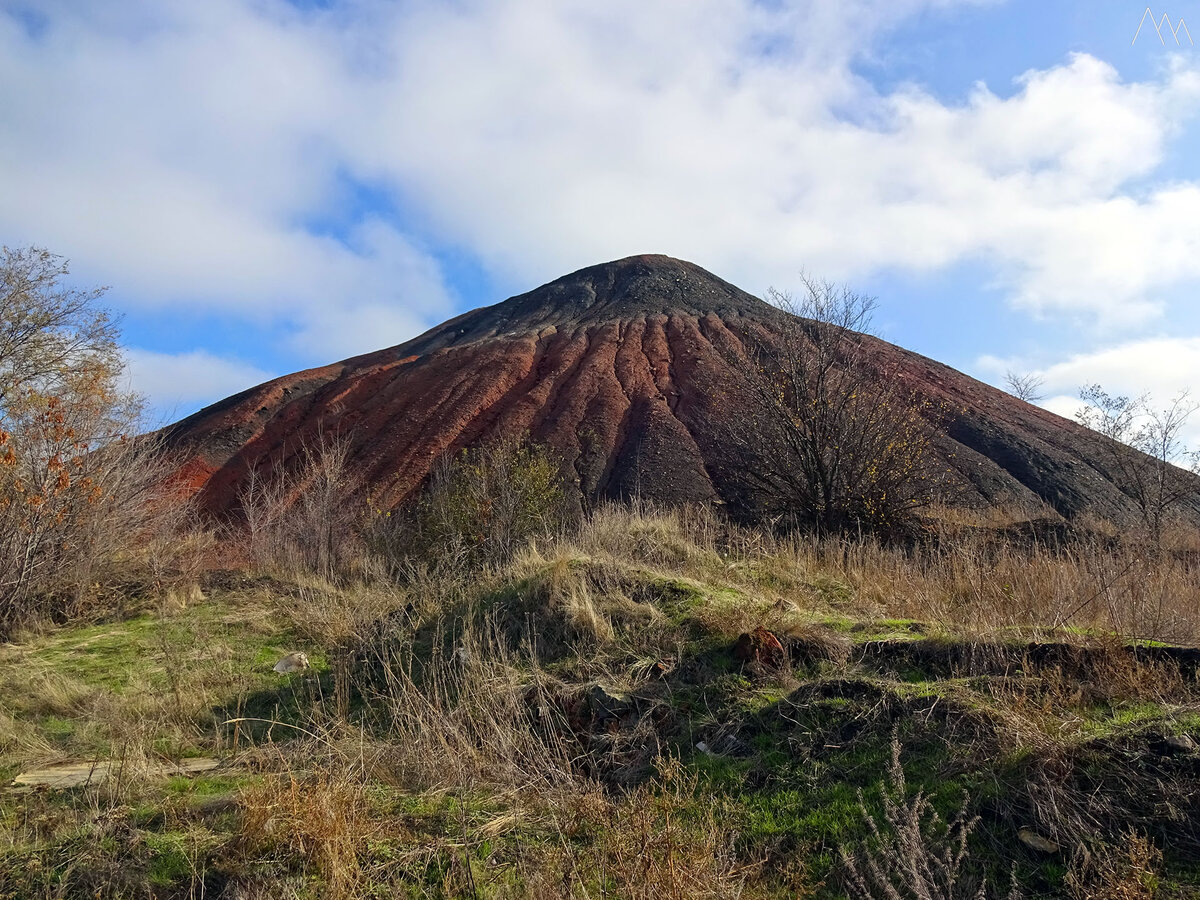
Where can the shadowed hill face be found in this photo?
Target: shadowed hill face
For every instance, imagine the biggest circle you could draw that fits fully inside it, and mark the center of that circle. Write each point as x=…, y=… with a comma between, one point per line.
x=620, y=368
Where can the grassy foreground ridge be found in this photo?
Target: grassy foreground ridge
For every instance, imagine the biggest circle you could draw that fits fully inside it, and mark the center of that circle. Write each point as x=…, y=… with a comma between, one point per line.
x=654, y=704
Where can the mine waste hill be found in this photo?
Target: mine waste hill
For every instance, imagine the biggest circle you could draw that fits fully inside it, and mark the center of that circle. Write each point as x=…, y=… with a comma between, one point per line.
x=644, y=701
x=619, y=367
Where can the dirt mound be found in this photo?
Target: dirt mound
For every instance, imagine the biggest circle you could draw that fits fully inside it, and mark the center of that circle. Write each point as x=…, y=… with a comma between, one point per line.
x=620, y=368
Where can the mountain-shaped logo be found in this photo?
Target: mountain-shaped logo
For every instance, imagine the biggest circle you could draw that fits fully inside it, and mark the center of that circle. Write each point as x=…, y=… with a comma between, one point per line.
x=1158, y=28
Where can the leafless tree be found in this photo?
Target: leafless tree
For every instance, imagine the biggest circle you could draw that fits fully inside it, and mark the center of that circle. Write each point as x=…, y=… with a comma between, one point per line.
x=1027, y=387
x=47, y=330
x=822, y=432
x=1149, y=460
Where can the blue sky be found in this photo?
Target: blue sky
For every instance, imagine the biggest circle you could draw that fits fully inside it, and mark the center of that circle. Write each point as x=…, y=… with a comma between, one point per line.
x=269, y=185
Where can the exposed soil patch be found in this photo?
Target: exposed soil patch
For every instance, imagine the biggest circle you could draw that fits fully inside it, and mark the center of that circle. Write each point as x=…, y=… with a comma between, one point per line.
x=955, y=659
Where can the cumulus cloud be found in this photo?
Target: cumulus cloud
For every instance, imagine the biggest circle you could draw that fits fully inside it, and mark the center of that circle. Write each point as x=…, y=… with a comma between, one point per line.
x=185, y=154
x=677, y=136
x=217, y=154
x=175, y=383
x=1161, y=368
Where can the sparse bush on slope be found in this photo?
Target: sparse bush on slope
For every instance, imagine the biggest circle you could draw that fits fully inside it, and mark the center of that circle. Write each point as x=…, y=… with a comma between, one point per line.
x=301, y=519
x=1146, y=455
x=822, y=438
x=478, y=509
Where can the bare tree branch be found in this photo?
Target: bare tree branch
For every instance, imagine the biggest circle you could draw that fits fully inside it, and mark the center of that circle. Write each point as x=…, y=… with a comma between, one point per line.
x=1027, y=387
x=825, y=434
x=1149, y=460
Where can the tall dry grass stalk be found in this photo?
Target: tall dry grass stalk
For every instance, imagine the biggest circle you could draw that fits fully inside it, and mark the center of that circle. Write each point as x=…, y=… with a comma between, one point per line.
x=319, y=814
x=476, y=716
x=915, y=853
x=976, y=582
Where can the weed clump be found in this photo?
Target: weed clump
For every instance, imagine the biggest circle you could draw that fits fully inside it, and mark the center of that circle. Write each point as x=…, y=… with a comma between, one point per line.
x=914, y=852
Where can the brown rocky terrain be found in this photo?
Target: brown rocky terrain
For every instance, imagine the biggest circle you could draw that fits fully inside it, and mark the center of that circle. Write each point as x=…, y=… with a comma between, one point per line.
x=620, y=368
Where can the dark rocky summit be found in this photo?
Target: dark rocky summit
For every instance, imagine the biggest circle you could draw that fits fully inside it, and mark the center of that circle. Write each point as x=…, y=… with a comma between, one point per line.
x=619, y=367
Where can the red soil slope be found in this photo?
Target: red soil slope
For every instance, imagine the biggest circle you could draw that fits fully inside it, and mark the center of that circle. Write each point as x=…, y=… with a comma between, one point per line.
x=618, y=367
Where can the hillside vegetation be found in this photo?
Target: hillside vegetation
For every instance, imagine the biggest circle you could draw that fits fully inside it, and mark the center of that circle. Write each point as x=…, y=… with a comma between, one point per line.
x=644, y=704
x=505, y=688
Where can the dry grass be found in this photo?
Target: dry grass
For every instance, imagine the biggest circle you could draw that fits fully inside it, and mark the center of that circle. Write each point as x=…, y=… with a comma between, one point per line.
x=982, y=585
x=656, y=841
x=455, y=738
x=1128, y=872
x=915, y=853
x=981, y=573
x=970, y=580
x=478, y=716
x=319, y=817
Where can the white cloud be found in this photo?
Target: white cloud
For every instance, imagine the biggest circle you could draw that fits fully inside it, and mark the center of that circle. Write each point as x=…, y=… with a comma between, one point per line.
x=1160, y=368
x=179, y=151
x=675, y=137
x=197, y=153
x=176, y=384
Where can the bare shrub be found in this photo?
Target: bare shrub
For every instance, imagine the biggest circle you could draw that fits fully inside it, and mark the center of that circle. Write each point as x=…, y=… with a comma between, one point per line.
x=78, y=493
x=1027, y=387
x=915, y=853
x=478, y=509
x=263, y=504
x=1146, y=452
x=827, y=437
x=301, y=519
